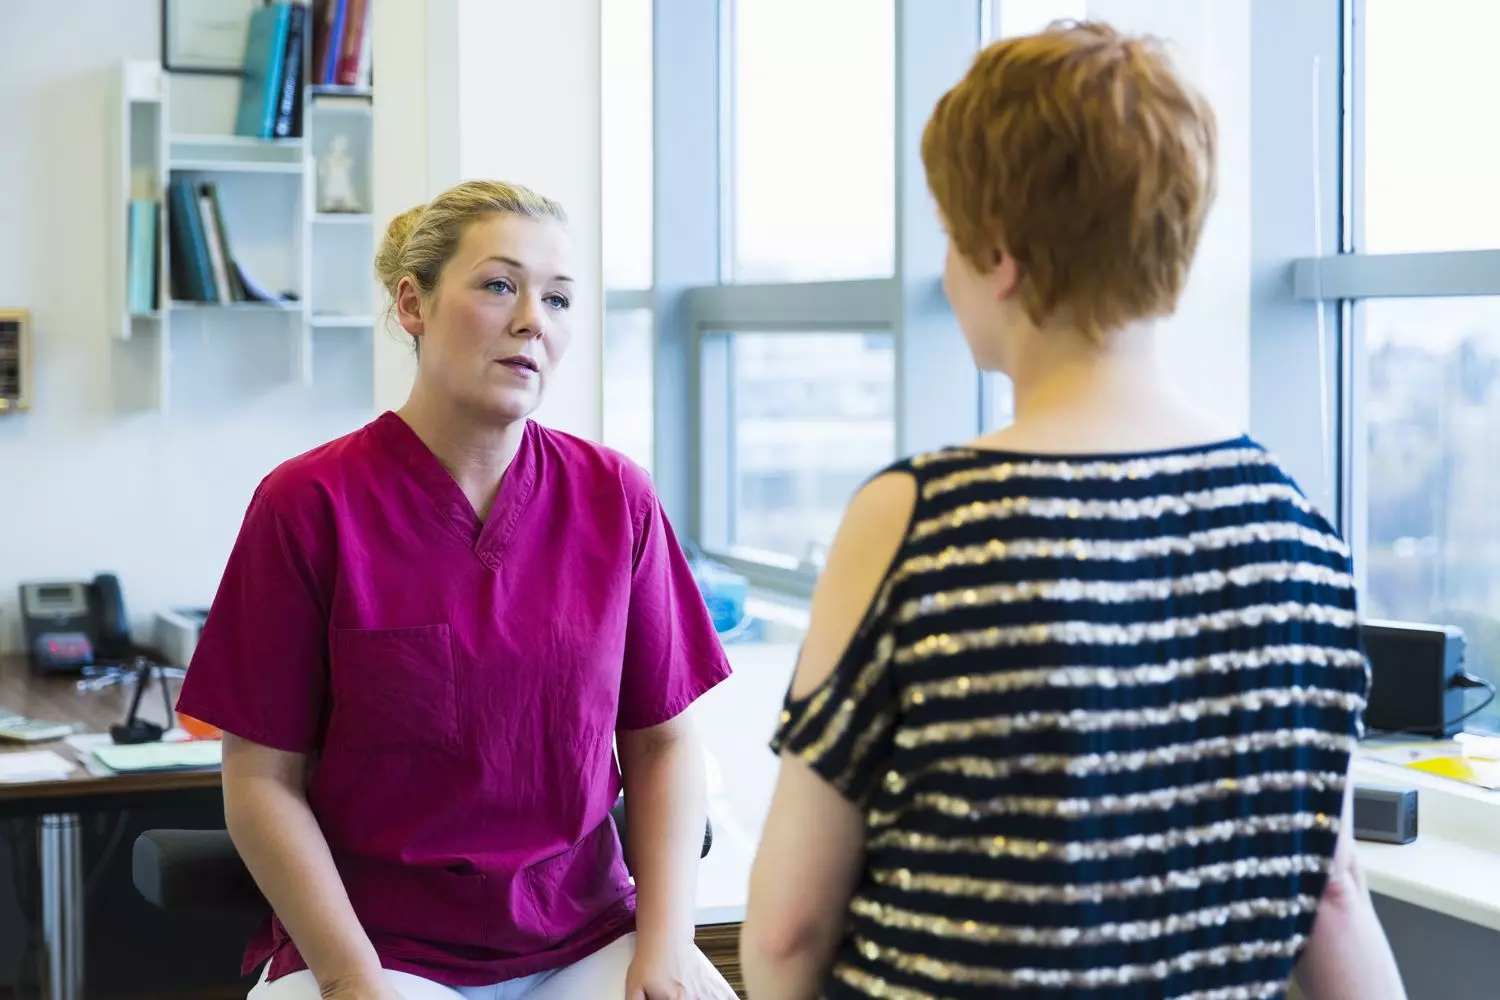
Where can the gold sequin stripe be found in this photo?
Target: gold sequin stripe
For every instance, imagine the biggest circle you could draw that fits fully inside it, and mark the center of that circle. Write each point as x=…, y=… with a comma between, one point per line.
x=881, y=989
x=1118, y=550
x=1156, y=800
x=1074, y=633
x=1121, y=591
x=1150, y=674
x=1073, y=851
x=1132, y=932
x=944, y=971
x=877, y=728
x=874, y=986
x=1097, y=471
x=1143, y=508
x=1115, y=761
x=1188, y=879
x=943, y=455
x=1086, y=721
x=1254, y=991
x=836, y=726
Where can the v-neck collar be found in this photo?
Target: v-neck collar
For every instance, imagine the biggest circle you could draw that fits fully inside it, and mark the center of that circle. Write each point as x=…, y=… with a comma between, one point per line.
x=486, y=538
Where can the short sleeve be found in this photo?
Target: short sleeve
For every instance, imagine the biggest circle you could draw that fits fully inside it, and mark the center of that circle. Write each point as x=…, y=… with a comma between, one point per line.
x=843, y=729
x=260, y=670
x=672, y=652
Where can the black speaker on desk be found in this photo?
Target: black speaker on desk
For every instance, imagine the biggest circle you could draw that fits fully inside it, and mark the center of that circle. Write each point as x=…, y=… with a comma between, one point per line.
x=1416, y=673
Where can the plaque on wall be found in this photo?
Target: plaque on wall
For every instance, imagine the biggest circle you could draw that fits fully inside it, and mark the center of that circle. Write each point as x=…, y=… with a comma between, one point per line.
x=15, y=361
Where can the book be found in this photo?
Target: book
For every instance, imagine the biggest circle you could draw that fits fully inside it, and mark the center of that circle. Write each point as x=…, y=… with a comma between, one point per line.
x=141, y=269
x=265, y=53
x=195, y=283
x=210, y=190
x=288, y=121
x=218, y=256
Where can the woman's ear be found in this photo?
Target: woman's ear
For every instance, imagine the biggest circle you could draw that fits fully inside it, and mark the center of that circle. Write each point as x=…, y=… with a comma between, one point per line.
x=1005, y=276
x=410, y=306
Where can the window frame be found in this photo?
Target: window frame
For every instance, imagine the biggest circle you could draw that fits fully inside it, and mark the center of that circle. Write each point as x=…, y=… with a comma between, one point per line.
x=1341, y=280
x=694, y=200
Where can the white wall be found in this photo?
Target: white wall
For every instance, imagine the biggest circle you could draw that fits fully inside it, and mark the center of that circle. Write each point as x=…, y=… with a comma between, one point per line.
x=85, y=488
x=487, y=63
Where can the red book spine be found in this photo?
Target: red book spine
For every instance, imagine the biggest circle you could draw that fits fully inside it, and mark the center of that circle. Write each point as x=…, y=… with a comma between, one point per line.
x=355, y=26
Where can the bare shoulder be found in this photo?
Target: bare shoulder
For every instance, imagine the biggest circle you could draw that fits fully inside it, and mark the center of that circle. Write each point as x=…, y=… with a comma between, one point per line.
x=868, y=540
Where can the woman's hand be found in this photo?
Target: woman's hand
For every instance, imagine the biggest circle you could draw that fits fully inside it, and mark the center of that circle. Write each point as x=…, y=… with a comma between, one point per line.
x=684, y=973
x=374, y=987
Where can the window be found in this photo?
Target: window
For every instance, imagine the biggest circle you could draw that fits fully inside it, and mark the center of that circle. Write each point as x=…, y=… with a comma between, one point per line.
x=810, y=417
x=1432, y=413
x=1428, y=162
x=629, y=353
x=1024, y=17
x=626, y=132
x=813, y=177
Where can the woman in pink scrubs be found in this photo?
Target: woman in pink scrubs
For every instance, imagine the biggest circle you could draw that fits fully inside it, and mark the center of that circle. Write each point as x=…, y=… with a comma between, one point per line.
x=429, y=637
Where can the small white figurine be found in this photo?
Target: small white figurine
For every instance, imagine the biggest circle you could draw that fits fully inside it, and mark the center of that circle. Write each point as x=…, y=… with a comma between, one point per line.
x=336, y=180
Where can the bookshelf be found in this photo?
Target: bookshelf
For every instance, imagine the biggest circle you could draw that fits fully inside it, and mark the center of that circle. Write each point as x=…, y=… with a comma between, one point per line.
x=313, y=265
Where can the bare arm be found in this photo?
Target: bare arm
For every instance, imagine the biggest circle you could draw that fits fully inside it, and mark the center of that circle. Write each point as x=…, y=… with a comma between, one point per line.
x=666, y=801
x=812, y=850
x=275, y=832
x=1348, y=957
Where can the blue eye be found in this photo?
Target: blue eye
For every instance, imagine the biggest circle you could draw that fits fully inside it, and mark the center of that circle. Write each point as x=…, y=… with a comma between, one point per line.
x=557, y=301
x=500, y=285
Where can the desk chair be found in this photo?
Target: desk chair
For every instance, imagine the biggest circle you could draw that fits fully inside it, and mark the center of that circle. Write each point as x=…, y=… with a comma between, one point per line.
x=183, y=870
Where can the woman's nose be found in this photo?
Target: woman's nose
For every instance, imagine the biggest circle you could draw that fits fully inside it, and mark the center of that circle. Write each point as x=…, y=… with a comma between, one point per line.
x=527, y=320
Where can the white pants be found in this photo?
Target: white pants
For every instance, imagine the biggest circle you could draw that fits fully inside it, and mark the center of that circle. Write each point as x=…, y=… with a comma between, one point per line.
x=601, y=976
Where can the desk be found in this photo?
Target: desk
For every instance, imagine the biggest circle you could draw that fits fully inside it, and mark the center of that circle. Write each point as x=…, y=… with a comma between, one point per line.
x=56, y=804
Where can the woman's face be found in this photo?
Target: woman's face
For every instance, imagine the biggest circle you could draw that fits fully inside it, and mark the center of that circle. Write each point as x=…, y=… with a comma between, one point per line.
x=499, y=321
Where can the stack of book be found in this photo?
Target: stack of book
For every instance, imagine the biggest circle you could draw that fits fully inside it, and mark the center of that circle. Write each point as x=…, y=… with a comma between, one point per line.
x=203, y=265
x=276, y=60
x=341, y=43
x=270, y=97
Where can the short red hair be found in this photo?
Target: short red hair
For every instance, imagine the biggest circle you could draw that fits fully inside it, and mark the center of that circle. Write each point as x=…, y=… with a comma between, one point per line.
x=1082, y=153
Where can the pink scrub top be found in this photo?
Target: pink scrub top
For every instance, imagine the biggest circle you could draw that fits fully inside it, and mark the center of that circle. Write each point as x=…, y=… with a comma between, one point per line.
x=457, y=684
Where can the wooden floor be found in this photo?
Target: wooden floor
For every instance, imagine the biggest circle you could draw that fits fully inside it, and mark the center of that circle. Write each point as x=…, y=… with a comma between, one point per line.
x=721, y=943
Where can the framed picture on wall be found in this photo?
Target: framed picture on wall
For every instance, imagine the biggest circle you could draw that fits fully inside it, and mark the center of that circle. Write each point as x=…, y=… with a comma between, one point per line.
x=205, y=36
x=15, y=361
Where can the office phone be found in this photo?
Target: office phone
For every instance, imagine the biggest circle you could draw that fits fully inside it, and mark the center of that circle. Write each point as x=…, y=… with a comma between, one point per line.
x=70, y=625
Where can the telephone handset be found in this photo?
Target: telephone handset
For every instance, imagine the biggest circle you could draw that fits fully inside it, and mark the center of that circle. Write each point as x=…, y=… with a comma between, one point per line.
x=72, y=624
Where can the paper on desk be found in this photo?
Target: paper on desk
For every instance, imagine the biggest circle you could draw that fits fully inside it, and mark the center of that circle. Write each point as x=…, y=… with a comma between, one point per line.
x=1472, y=763
x=33, y=765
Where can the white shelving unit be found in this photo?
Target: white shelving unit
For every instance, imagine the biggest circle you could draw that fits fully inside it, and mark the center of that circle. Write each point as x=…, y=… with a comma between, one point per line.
x=168, y=125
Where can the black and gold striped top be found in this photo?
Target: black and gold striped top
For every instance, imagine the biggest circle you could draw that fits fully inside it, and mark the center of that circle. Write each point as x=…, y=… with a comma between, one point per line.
x=1098, y=719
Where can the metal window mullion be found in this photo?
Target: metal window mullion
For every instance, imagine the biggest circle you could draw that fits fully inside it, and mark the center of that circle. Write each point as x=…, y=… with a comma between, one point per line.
x=935, y=45
x=686, y=243
x=1439, y=274
x=627, y=299
x=810, y=306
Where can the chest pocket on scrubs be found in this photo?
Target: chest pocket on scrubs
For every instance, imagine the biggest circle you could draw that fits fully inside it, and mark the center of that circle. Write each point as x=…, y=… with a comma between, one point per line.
x=394, y=688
